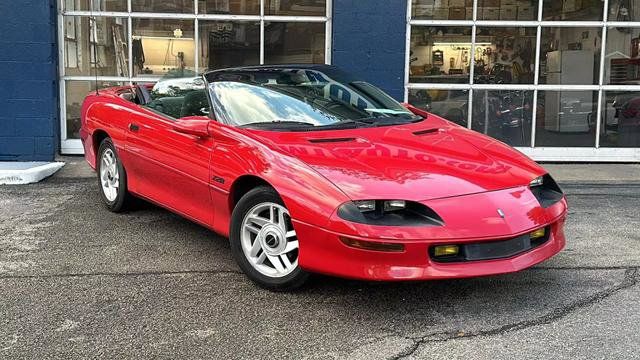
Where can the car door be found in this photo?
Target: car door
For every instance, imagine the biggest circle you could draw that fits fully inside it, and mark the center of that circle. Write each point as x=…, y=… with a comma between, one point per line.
x=169, y=167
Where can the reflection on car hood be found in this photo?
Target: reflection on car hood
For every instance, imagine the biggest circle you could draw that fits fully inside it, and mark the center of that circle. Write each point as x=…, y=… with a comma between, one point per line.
x=427, y=160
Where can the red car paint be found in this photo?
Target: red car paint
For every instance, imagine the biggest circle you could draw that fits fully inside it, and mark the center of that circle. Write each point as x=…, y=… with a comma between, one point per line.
x=460, y=174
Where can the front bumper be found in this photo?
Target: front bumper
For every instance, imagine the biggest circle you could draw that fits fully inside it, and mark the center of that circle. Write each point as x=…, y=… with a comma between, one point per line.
x=322, y=251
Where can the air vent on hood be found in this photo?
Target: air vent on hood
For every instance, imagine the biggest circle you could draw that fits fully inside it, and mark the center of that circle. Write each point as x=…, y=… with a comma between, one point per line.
x=426, y=132
x=331, y=140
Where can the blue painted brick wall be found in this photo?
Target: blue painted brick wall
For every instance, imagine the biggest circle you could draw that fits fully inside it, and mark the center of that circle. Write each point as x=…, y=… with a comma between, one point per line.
x=28, y=81
x=369, y=41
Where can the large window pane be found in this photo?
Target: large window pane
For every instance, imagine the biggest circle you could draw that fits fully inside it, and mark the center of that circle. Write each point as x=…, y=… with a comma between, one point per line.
x=295, y=7
x=442, y=9
x=624, y=10
x=449, y=104
x=505, y=115
x=505, y=55
x=163, y=6
x=570, y=56
x=98, y=5
x=623, y=50
x=102, y=50
x=161, y=46
x=440, y=54
x=75, y=92
x=566, y=118
x=227, y=44
x=575, y=10
x=287, y=43
x=620, y=119
x=524, y=10
x=234, y=7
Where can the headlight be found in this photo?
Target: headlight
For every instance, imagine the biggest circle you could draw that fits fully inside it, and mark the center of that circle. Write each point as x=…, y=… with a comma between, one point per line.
x=389, y=213
x=546, y=190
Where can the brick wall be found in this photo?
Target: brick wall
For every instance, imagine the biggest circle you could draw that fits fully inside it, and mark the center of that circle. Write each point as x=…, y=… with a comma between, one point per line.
x=369, y=41
x=28, y=80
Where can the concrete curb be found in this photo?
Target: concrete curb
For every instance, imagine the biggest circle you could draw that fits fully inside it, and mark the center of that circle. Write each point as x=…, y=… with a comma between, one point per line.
x=20, y=173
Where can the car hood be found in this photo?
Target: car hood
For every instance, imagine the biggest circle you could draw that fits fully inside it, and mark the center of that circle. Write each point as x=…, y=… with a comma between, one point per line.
x=428, y=160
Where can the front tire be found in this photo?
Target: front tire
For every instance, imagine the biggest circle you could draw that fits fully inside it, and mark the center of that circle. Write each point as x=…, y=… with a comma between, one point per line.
x=263, y=241
x=112, y=178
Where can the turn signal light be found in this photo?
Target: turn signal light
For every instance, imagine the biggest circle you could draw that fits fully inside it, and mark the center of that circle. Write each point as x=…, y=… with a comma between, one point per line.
x=537, y=234
x=446, y=250
x=373, y=246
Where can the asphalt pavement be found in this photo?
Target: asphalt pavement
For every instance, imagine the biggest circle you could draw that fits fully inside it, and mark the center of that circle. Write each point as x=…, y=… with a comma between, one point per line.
x=77, y=282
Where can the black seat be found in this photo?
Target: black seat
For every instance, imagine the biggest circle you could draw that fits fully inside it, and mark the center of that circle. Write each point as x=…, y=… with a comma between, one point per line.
x=193, y=104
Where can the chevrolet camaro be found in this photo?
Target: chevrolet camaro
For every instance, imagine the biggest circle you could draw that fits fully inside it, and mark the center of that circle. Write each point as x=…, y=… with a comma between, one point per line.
x=307, y=169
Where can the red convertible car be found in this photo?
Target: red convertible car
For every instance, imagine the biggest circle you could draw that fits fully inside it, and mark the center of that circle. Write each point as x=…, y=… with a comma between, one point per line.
x=308, y=170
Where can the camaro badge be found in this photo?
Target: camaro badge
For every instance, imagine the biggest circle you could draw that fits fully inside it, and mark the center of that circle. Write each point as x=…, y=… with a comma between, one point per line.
x=501, y=213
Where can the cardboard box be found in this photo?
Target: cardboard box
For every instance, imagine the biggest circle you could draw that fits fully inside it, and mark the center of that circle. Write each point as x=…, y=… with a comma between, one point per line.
x=527, y=13
x=488, y=3
x=457, y=3
x=457, y=13
x=424, y=12
x=490, y=13
x=469, y=13
x=508, y=12
x=440, y=13
x=508, y=3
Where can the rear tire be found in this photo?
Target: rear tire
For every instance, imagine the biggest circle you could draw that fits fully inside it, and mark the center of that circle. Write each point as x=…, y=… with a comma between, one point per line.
x=263, y=241
x=112, y=178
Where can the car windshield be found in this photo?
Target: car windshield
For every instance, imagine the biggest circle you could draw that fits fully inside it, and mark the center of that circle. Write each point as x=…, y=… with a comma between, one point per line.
x=302, y=99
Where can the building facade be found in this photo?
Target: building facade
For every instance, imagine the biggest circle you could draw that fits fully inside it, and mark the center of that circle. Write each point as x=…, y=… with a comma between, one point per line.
x=559, y=80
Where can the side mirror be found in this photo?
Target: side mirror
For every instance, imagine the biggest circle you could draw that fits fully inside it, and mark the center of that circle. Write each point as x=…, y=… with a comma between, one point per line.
x=196, y=126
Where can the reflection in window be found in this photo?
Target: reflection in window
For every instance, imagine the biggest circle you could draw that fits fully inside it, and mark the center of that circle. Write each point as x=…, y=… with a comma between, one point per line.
x=440, y=54
x=295, y=7
x=449, y=104
x=163, y=6
x=75, y=92
x=622, y=62
x=620, y=119
x=505, y=115
x=294, y=43
x=566, y=118
x=228, y=44
x=575, y=10
x=237, y=7
x=162, y=46
x=104, y=52
x=505, y=55
x=570, y=56
x=624, y=10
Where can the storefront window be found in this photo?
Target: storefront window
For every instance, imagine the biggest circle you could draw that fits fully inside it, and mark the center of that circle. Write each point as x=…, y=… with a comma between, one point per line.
x=505, y=115
x=98, y=5
x=75, y=93
x=574, y=10
x=505, y=55
x=566, y=118
x=442, y=9
x=99, y=50
x=227, y=44
x=620, y=126
x=622, y=57
x=440, y=54
x=296, y=7
x=237, y=7
x=160, y=46
x=452, y=105
x=624, y=10
x=570, y=56
x=162, y=6
x=294, y=43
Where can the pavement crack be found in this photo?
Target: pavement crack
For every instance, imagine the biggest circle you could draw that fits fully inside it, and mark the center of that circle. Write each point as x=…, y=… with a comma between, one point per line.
x=631, y=278
x=121, y=274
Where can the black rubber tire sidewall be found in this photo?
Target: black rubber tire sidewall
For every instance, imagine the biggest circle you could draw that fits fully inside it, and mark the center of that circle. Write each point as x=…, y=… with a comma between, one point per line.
x=254, y=197
x=119, y=204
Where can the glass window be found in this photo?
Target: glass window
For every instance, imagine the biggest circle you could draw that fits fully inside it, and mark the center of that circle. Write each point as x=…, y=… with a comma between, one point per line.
x=98, y=5
x=570, y=56
x=180, y=97
x=75, y=92
x=295, y=7
x=229, y=44
x=233, y=7
x=505, y=115
x=440, y=54
x=101, y=49
x=449, y=104
x=620, y=125
x=624, y=10
x=442, y=9
x=575, y=10
x=622, y=57
x=294, y=43
x=162, y=46
x=505, y=55
x=163, y=6
x=566, y=118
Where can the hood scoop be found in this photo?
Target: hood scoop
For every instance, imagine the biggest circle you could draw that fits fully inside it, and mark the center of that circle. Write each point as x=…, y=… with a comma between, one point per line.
x=426, y=132
x=331, y=140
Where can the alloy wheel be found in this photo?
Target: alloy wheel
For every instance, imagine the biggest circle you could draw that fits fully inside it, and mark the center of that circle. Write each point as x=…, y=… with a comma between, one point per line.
x=109, y=175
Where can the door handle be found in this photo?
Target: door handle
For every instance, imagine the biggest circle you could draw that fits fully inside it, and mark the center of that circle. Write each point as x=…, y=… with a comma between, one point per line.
x=134, y=127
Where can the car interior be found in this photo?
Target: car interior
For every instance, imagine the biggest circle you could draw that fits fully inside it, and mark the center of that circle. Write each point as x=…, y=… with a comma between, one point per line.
x=186, y=103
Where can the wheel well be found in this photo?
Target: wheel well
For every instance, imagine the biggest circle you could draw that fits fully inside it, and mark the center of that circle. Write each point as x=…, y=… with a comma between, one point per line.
x=243, y=185
x=98, y=136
